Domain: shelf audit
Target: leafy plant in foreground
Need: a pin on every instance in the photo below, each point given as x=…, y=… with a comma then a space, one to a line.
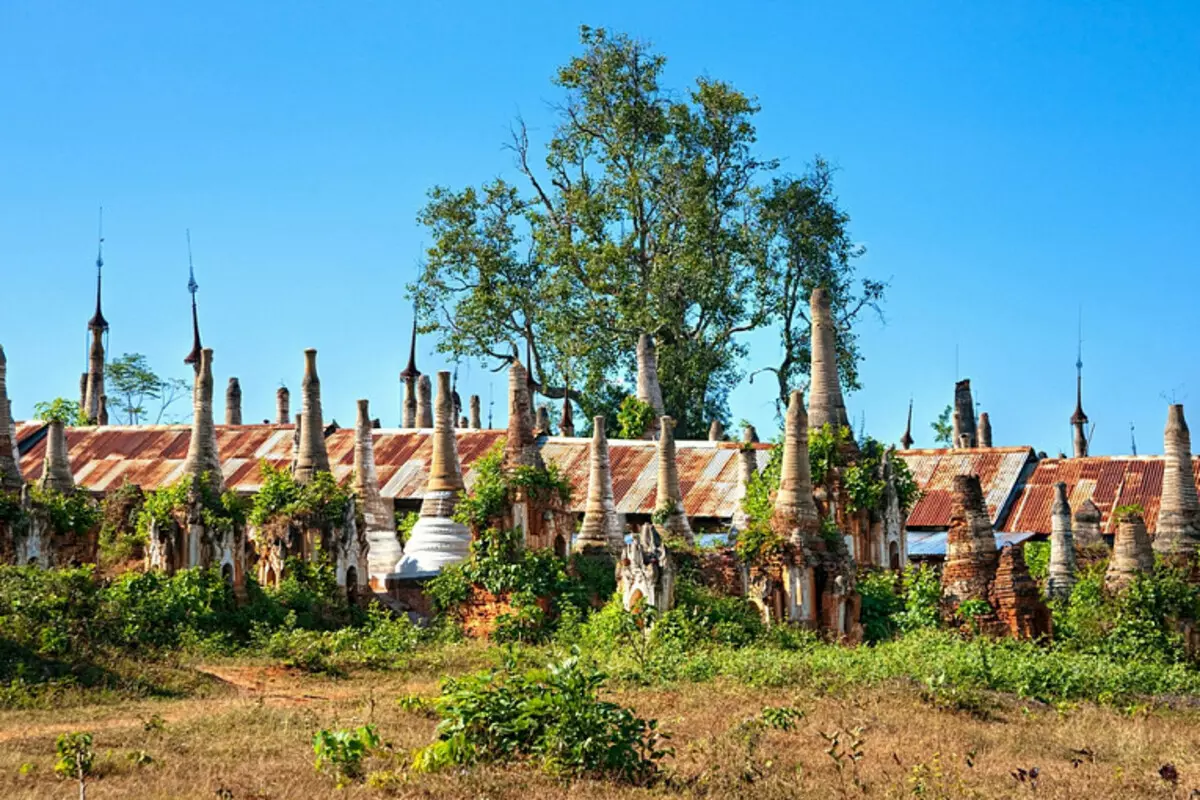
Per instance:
x=342, y=752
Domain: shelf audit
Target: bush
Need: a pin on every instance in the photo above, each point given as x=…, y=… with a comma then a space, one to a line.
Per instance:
x=922, y=591
x=553, y=716
x=881, y=604
x=342, y=752
x=321, y=500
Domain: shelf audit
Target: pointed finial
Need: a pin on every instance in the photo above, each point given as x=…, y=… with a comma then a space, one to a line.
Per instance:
x=1079, y=418
x=98, y=322
x=906, y=441
x=193, y=357
x=410, y=371
x=1132, y=441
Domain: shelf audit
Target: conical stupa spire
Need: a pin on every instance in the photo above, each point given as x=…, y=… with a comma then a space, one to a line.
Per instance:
x=601, y=528
x=825, y=394
x=669, y=499
x=1061, y=577
x=312, y=456
x=203, y=462
x=1178, y=528
x=437, y=540
x=520, y=446
x=193, y=357
x=409, y=377
x=10, y=471
x=795, y=514
x=383, y=548
x=56, y=468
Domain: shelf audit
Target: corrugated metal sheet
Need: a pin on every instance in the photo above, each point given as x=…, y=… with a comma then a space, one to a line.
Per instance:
x=999, y=470
x=1108, y=481
x=932, y=544
x=152, y=456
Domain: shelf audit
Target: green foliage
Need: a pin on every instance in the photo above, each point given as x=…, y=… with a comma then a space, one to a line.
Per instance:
x=342, y=752
x=489, y=492
x=757, y=543
x=634, y=418
x=120, y=537
x=405, y=520
x=132, y=384
x=971, y=610
x=759, y=500
x=881, y=604
x=943, y=428
x=825, y=446
x=68, y=412
x=10, y=508
x=908, y=492
x=864, y=480
x=73, y=513
x=1129, y=510
x=783, y=718
x=648, y=210
x=1136, y=624
x=500, y=566
x=321, y=500
x=552, y=716
x=75, y=755
x=921, y=589
x=1037, y=558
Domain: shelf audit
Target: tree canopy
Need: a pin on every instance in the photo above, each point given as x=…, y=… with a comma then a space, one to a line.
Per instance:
x=647, y=211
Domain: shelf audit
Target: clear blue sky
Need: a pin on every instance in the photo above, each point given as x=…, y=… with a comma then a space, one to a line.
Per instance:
x=1004, y=163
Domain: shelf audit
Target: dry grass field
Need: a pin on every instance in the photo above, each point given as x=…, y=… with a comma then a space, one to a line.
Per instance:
x=249, y=736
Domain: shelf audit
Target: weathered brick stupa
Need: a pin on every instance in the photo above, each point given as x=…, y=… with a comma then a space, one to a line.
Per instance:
x=233, y=402
x=10, y=471
x=648, y=389
x=825, y=403
x=437, y=540
x=56, y=468
x=1061, y=578
x=795, y=515
x=474, y=420
x=425, y=404
x=283, y=413
x=1132, y=554
x=1087, y=533
x=408, y=376
x=601, y=530
x=312, y=456
x=1178, y=529
x=378, y=524
x=668, y=504
x=964, y=432
x=984, y=430
x=971, y=556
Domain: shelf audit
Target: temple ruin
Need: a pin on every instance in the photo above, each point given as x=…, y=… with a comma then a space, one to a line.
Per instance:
x=1177, y=532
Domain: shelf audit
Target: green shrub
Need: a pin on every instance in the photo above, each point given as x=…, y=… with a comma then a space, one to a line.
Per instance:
x=881, y=604
x=552, y=716
x=73, y=513
x=1037, y=558
x=342, y=752
x=321, y=499
x=75, y=756
x=922, y=591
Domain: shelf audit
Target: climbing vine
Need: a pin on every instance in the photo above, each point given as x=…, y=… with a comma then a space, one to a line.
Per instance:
x=218, y=512
x=68, y=512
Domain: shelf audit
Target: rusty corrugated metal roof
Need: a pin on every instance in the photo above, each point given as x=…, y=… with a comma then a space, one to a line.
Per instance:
x=1108, y=481
x=151, y=456
x=999, y=470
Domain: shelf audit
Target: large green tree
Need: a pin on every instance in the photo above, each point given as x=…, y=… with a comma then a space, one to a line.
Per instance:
x=643, y=212
x=808, y=244
x=137, y=389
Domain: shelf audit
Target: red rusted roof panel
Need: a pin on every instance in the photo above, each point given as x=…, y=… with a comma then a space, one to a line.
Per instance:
x=1108, y=481
x=999, y=470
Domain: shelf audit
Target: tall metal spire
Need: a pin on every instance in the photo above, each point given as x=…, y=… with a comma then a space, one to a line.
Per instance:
x=1079, y=416
x=906, y=441
x=98, y=322
x=193, y=357
x=410, y=371
x=1132, y=441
